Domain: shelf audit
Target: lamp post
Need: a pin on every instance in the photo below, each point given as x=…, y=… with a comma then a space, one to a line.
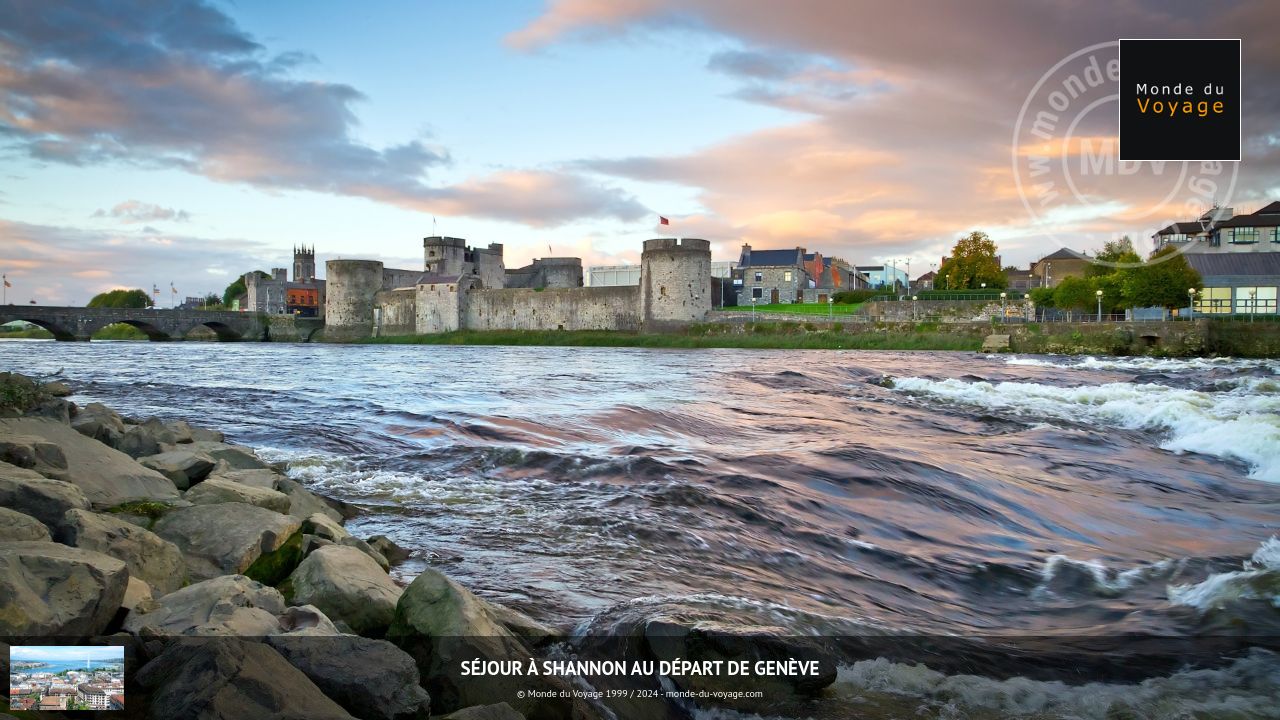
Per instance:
x=831, y=308
x=753, y=309
x=915, y=307
x=1004, y=311
x=1253, y=304
x=1191, y=303
x=1031, y=310
x=1099, y=294
x=908, y=276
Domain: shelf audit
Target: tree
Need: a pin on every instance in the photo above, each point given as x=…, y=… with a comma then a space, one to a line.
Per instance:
x=972, y=263
x=1042, y=297
x=1074, y=293
x=1162, y=281
x=1114, y=251
x=237, y=288
x=121, y=298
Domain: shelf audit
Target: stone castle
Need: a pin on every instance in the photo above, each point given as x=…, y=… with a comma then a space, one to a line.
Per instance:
x=465, y=288
x=277, y=295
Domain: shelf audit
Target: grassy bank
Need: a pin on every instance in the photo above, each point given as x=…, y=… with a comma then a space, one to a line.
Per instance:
x=821, y=309
x=779, y=336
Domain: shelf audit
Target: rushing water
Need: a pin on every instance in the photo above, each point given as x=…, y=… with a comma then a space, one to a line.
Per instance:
x=971, y=495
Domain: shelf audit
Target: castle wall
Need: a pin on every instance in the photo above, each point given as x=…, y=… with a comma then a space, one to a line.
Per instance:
x=393, y=278
x=349, y=300
x=547, y=273
x=675, y=281
x=437, y=308
x=610, y=308
x=395, y=312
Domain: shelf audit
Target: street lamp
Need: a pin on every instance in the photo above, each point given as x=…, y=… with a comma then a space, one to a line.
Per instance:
x=915, y=307
x=1191, y=303
x=1253, y=304
x=831, y=307
x=1004, y=311
x=1099, y=294
x=753, y=309
x=1031, y=309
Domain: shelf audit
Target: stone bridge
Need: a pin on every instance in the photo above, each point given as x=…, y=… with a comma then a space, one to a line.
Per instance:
x=80, y=323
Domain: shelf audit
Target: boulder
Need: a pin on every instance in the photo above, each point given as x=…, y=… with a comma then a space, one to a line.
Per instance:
x=236, y=457
x=137, y=441
x=364, y=547
x=224, y=678
x=534, y=632
x=31, y=493
x=159, y=431
x=307, y=621
x=389, y=549
x=19, y=526
x=372, y=679
x=181, y=431
x=183, y=468
x=225, y=605
x=107, y=477
x=135, y=593
x=303, y=503
x=217, y=490
x=34, y=453
x=265, y=479
x=234, y=538
x=52, y=589
x=440, y=623
x=99, y=422
x=149, y=557
x=57, y=388
x=323, y=526
x=199, y=434
x=501, y=711
x=346, y=585
x=52, y=408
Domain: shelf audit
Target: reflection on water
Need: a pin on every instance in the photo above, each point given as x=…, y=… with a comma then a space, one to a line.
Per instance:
x=971, y=494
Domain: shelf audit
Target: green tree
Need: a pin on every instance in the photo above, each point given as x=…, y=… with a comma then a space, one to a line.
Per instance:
x=972, y=263
x=1114, y=251
x=237, y=288
x=121, y=298
x=1074, y=293
x=1162, y=281
x=1042, y=297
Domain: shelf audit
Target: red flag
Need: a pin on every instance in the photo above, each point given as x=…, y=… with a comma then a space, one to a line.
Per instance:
x=663, y=221
x=7, y=283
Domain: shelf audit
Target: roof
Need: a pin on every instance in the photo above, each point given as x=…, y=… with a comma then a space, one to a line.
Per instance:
x=927, y=276
x=1064, y=254
x=1240, y=263
x=1183, y=228
x=764, y=258
x=429, y=279
x=1271, y=209
x=1258, y=219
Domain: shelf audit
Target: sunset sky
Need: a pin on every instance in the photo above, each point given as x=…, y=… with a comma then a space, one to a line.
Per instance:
x=148, y=143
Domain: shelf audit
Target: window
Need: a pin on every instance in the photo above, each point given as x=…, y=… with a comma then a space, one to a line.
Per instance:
x=1244, y=235
x=759, y=276
x=1272, y=234
x=1214, y=300
x=1256, y=300
x=786, y=276
x=757, y=293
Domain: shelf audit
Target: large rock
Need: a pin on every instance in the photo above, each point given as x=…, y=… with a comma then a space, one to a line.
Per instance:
x=236, y=457
x=264, y=479
x=182, y=467
x=149, y=557
x=34, y=453
x=52, y=589
x=137, y=441
x=227, y=678
x=225, y=605
x=107, y=477
x=373, y=679
x=31, y=493
x=440, y=623
x=389, y=549
x=348, y=586
x=16, y=526
x=303, y=503
x=364, y=547
x=199, y=434
x=323, y=526
x=217, y=490
x=99, y=422
x=234, y=538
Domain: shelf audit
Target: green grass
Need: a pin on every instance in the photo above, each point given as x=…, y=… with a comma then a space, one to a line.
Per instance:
x=778, y=336
x=798, y=308
x=119, y=331
x=24, y=331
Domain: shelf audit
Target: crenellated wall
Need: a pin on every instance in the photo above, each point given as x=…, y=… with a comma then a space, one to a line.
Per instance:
x=607, y=308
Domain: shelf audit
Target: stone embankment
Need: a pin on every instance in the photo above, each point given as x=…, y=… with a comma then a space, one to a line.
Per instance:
x=238, y=593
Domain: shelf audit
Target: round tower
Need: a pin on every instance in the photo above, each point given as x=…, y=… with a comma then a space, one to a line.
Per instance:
x=348, y=307
x=675, y=281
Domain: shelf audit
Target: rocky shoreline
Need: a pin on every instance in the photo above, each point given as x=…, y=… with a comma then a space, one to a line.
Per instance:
x=239, y=593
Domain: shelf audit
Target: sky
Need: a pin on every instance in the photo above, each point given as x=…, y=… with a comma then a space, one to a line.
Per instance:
x=182, y=144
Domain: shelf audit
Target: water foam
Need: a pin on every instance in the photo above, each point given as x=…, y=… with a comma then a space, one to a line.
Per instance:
x=1257, y=580
x=1144, y=364
x=1238, y=424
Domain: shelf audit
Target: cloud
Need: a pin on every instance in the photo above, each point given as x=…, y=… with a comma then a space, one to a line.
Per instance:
x=180, y=85
x=908, y=114
x=136, y=211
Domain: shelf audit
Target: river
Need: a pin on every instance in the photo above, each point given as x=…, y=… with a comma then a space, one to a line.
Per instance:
x=824, y=491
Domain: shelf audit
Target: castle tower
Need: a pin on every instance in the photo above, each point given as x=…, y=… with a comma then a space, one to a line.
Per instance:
x=675, y=281
x=304, y=264
x=445, y=256
x=349, y=300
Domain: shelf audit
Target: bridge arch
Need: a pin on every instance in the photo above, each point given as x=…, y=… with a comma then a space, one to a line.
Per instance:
x=59, y=332
x=152, y=332
x=225, y=332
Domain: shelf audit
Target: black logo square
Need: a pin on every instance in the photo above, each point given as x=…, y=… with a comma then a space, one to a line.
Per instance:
x=1180, y=100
